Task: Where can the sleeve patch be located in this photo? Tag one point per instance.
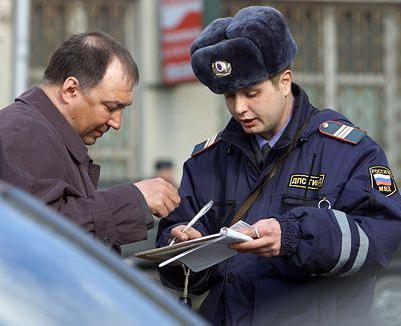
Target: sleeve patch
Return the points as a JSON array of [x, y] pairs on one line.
[[208, 143], [382, 180], [342, 132]]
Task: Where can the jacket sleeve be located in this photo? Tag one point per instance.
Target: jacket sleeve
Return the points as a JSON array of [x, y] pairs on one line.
[[173, 277], [117, 215], [360, 233], [35, 162]]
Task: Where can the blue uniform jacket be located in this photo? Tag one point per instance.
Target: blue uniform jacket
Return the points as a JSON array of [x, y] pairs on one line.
[[326, 269]]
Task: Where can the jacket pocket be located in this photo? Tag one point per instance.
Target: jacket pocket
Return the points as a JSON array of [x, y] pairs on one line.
[[290, 201]]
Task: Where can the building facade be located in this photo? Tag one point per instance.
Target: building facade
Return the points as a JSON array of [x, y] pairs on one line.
[[347, 59]]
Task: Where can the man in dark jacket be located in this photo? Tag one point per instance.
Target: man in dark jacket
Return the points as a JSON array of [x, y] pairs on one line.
[[87, 84], [318, 191]]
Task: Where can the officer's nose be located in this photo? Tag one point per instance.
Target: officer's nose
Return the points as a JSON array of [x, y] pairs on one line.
[[240, 105], [115, 119]]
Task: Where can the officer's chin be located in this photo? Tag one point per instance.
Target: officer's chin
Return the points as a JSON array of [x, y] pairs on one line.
[[251, 131]]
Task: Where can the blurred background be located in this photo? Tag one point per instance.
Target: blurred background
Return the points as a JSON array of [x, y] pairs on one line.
[[347, 59]]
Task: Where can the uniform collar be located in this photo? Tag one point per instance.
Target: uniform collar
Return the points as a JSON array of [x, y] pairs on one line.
[[262, 141], [38, 100], [300, 113]]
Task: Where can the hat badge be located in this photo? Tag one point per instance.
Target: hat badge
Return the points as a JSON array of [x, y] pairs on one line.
[[221, 68]]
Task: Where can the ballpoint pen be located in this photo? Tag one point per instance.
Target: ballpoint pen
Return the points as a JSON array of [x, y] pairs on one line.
[[202, 212]]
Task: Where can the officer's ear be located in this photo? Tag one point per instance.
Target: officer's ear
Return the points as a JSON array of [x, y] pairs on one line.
[[285, 81], [70, 89]]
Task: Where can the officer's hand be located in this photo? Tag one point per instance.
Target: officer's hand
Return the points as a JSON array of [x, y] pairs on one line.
[[189, 234], [161, 196], [269, 242]]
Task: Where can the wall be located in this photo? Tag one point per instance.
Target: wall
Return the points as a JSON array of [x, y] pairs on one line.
[[6, 7], [173, 119]]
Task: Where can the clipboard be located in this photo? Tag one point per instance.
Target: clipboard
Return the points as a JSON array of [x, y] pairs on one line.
[[161, 254], [201, 253]]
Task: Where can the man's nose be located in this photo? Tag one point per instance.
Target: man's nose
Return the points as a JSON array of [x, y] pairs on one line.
[[115, 119], [240, 105]]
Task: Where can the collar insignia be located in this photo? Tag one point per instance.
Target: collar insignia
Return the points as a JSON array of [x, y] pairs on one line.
[[221, 68]]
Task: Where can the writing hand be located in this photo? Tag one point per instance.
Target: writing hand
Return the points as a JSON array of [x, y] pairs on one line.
[[181, 236]]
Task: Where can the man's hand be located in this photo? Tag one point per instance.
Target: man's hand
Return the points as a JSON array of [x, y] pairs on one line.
[[189, 234], [268, 244], [161, 196]]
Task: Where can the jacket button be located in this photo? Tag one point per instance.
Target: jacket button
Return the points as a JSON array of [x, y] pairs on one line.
[[230, 279], [107, 241]]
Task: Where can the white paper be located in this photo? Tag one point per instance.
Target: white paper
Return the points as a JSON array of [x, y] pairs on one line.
[[213, 251], [241, 226]]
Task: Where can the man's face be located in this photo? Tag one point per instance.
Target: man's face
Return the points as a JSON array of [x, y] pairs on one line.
[[261, 109], [95, 110]]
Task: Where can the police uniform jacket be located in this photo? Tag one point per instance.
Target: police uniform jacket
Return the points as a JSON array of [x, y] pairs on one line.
[[329, 255], [42, 154]]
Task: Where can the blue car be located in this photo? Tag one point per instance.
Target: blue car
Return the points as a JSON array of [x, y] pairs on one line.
[[52, 273]]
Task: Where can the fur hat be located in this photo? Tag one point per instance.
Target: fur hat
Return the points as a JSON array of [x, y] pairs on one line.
[[236, 52]]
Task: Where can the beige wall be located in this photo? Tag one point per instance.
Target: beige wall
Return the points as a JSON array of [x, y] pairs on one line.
[[175, 118], [181, 117], [5, 50]]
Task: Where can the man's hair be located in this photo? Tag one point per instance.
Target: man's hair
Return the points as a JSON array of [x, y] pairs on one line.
[[163, 164], [86, 56]]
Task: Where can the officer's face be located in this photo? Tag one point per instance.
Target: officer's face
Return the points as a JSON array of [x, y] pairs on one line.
[[92, 112], [263, 108]]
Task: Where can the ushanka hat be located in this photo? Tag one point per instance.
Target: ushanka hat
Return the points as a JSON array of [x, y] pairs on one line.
[[236, 52]]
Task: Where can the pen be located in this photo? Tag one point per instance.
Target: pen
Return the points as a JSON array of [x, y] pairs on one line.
[[202, 212]]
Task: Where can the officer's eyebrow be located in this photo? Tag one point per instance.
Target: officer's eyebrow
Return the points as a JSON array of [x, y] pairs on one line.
[[253, 88]]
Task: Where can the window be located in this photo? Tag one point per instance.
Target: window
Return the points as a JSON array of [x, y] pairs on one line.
[[52, 22]]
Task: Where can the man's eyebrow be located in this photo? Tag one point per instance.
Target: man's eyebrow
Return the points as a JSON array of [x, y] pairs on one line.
[[117, 104]]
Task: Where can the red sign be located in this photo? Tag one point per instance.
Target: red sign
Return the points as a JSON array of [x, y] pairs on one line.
[[181, 23]]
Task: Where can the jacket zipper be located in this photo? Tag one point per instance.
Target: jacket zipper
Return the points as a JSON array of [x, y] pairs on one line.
[[310, 174]]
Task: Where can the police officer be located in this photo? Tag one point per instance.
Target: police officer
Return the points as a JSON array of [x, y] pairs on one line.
[[319, 192]]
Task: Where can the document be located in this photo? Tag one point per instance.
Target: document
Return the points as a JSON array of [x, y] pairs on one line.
[[199, 254]]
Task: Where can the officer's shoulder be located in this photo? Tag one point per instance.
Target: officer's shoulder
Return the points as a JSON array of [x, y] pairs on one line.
[[206, 144], [342, 132]]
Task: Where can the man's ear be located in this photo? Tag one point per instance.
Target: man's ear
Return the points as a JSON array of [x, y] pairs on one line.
[[69, 89], [285, 81]]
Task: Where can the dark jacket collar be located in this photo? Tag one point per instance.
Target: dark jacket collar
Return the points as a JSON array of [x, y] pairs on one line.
[[301, 112], [234, 134], [38, 100]]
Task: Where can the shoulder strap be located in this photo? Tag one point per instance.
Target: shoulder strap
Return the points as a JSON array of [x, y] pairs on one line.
[[247, 203], [341, 131], [205, 145]]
